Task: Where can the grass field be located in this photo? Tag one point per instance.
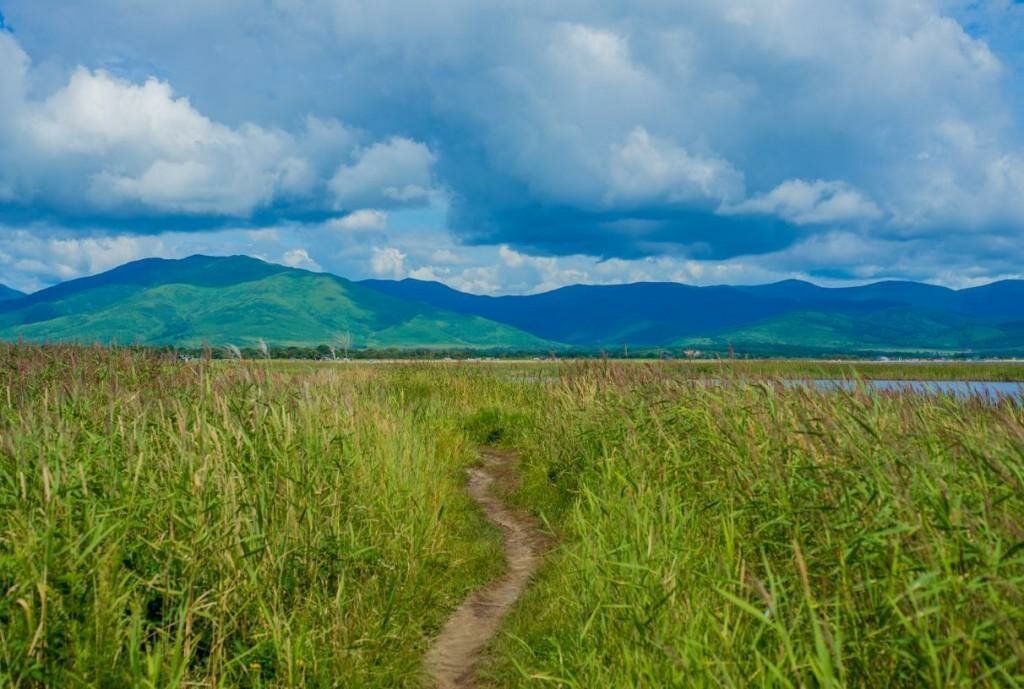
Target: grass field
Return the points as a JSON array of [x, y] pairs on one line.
[[236, 524]]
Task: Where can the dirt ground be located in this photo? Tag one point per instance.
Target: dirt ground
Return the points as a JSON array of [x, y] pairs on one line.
[[452, 660]]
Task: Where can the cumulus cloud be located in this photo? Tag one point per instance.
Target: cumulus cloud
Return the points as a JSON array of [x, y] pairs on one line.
[[644, 170], [300, 258], [101, 144], [805, 203], [34, 258], [711, 131], [388, 262], [364, 219], [394, 172]]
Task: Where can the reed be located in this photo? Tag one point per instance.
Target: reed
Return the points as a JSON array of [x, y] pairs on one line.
[[753, 534], [282, 524], [170, 525]]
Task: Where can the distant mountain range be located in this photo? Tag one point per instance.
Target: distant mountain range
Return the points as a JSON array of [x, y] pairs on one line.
[[8, 293], [784, 317], [240, 300]]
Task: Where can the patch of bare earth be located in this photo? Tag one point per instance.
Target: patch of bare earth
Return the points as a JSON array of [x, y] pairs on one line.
[[452, 660]]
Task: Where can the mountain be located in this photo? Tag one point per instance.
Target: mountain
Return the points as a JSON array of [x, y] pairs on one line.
[[884, 316], [239, 300], [9, 293], [889, 330], [599, 315]]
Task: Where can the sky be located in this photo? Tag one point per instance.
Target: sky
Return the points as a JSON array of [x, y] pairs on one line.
[[515, 147]]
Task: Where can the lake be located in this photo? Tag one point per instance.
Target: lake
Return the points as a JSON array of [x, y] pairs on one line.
[[989, 390]]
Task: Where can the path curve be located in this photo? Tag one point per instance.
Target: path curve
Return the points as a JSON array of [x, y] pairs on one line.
[[452, 659]]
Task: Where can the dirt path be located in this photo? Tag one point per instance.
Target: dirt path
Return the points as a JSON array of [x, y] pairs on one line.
[[452, 659]]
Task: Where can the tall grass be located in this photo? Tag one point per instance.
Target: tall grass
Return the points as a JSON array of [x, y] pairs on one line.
[[267, 524], [753, 534], [170, 525]]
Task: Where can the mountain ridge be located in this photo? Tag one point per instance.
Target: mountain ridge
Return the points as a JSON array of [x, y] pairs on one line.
[[242, 299], [238, 299], [7, 293], [672, 314]]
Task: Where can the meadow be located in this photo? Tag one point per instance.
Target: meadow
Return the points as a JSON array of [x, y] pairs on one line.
[[266, 524]]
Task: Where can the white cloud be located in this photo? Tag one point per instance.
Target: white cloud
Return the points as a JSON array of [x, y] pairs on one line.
[[511, 257], [103, 143], [365, 219], [885, 118], [430, 273], [395, 172], [32, 259], [446, 257], [300, 258], [478, 280], [644, 169], [804, 203], [388, 262]]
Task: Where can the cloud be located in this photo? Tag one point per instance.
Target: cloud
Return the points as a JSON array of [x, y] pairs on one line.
[[364, 219], [806, 203], [719, 133], [646, 170], [446, 257], [395, 172], [300, 258], [34, 258], [388, 262], [104, 147]]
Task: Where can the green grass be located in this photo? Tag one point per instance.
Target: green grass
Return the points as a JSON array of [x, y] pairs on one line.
[[268, 524], [1004, 371], [893, 329], [163, 525], [748, 534]]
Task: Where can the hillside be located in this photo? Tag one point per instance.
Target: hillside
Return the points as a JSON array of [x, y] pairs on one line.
[[9, 293], [239, 300], [885, 330], [884, 316]]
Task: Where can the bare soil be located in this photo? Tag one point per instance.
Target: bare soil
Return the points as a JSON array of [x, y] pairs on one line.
[[453, 658]]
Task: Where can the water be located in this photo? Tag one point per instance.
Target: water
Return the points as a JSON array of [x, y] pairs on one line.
[[991, 391], [987, 390]]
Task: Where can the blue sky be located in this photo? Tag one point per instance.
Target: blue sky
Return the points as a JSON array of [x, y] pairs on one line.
[[517, 146]]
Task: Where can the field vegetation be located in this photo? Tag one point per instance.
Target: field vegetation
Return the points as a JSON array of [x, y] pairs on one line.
[[267, 524], [754, 534]]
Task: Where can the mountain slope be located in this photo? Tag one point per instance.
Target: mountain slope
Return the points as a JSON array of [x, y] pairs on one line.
[[9, 293], [893, 329], [598, 315], [240, 300], [888, 315]]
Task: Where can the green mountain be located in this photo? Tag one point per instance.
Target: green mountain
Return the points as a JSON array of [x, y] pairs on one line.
[[240, 300], [9, 293], [890, 330], [789, 317]]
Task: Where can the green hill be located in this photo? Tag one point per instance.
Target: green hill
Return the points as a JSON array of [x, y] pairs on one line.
[[789, 317], [889, 330], [240, 300]]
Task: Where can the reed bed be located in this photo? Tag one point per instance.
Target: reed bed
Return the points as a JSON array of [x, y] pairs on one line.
[[267, 524], [170, 525], [756, 534]]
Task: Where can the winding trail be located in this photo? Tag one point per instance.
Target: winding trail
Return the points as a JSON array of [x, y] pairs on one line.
[[452, 659]]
